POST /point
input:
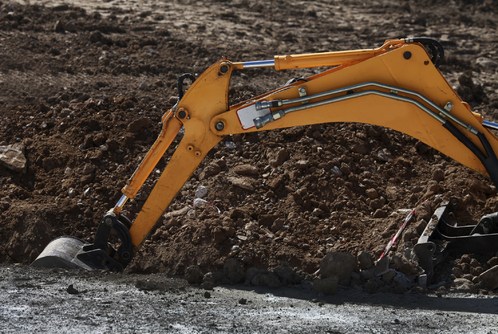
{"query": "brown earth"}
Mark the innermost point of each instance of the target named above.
(84, 86)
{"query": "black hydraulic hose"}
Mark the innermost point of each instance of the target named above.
(436, 48)
(490, 162)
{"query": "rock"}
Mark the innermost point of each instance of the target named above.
(88, 169)
(345, 169)
(389, 276)
(269, 279)
(457, 272)
(384, 155)
(193, 274)
(302, 164)
(381, 267)
(403, 265)
(71, 27)
(211, 169)
(233, 270)
(486, 63)
(59, 26)
(463, 285)
(372, 193)
(71, 290)
(370, 286)
(138, 124)
(267, 220)
(438, 175)
(287, 275)
(277, 224)
(367, 274)
(275, 182)
(246, 169)
(276, 158)
(377, 203)
(250, 275)
(365, 261)
(379, 213)
(340, 264)
(143, 86)
(489, 278)
(327, 286)
(12, 157)
(493, 261)
(201, 192)
(241, 182)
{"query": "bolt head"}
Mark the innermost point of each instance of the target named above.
(219, 126)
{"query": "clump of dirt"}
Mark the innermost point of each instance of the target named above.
(84, 90)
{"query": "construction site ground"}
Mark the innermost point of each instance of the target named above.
(83, 86)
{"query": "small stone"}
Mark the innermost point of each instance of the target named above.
(493, 262)
(302, 164)
(193, 274)
(201, 192)
(138, 124)
(379, 213)
(370, 286)
(486, 63)
(143, 86)
(241, 182)
(438, 175)
(367, 274)
(463, 285)
(246, 169)
(211, 169)
(457, 272)
(242, 301)
(71, 27)
(276, 158)
(12, 157)
(207, 294)
(365, 261)
(389, 276)
(339, 264)
(71, 290)
(372, 193)
(233, 270)
(59, 26)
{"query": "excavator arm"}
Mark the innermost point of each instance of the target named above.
(397, 86)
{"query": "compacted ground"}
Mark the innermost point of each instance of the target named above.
(83, 87)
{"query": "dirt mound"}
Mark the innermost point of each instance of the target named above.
(84, 90)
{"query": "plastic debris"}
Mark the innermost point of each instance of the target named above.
(199, 202)
(396, 236)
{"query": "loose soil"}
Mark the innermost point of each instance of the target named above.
(84, 86)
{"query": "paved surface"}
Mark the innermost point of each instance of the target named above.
(59, 301)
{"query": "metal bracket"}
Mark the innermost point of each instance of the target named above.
(443, 235)
(100, 255)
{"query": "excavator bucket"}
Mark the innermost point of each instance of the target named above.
(62, 253)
